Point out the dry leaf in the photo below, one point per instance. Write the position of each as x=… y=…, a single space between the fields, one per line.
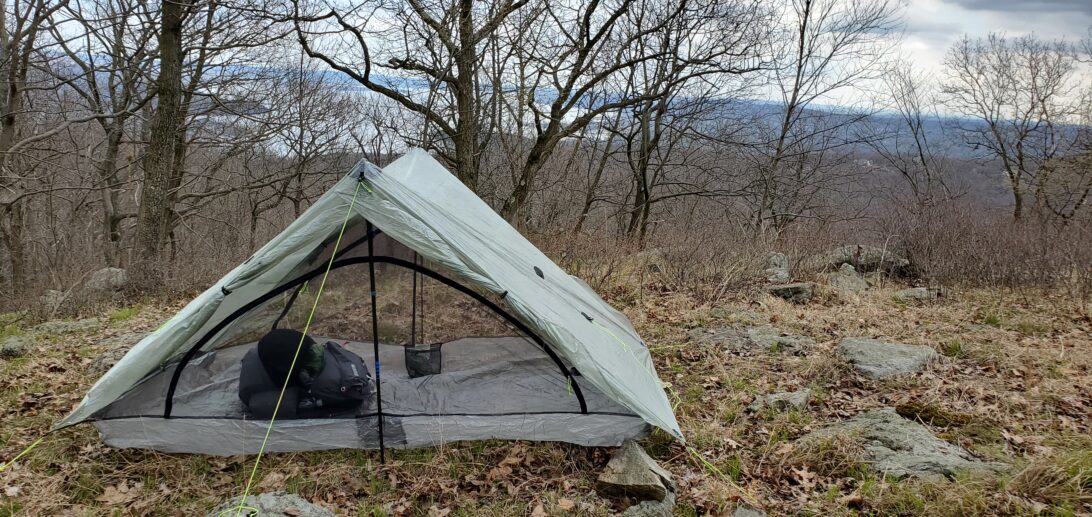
x=566 y=504
x=117 y=495
x=12 y=491
x=435 y=511
x=539 y=511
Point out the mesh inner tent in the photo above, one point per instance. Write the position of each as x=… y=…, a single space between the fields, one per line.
x=451 y=368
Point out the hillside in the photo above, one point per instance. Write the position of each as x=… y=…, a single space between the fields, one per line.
x=1010 y=386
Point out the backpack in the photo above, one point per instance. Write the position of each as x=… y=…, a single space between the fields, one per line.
x=344 y=380
x=343 y=384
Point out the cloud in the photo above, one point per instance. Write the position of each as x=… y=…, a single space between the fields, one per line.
x=925 y=26
x=1026 y=6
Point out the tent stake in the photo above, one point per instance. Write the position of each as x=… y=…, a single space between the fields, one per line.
x=375 y=342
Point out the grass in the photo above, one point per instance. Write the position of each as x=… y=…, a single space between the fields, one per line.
x=1009 y=388
x=124 y=314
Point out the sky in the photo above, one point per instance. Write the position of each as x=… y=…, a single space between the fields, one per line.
x=933 y=25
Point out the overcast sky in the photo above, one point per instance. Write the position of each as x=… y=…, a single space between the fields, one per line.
x=933 y=25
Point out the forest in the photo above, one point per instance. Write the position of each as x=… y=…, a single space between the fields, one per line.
x=173 y=139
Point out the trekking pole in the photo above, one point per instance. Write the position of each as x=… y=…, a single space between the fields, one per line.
x=375 y=342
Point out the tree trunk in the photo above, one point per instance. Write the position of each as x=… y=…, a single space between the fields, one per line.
x=12 y=236
x=108 y=174
x=157 y=195
x=468 y=127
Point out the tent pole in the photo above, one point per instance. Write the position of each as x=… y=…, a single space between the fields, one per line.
x=375 y=342
x=413 y=308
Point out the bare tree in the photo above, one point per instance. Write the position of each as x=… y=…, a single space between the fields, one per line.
x=430 y=55
x=827 y=47
x=1018 y=91
x=604 y=45
x=22 y=58
x=206 y=58
x=108 y=46
x=908 y=141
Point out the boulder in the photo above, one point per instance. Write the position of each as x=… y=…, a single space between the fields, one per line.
x=782 y=401
x=52 y=298
x=116 y=348
x=901 y=448
x=879 y=360
x=107 y=279
x=918 y=294
x=652 y=260
x=273 y=504
x=742 y=316
x=106 y=360
x=865 y=258
x=632 y=473
x=653 y=508
x=15 y=347
x=799 y=292
x=770 y=339
x=747 y=511
x=752 y=340
x=67 y=327
x=847 y=280
x=777 y=268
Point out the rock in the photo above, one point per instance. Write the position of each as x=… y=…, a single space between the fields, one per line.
x=107 y=279
x=743 y=316
x=752 y=340
x=848 y=280
x=747 y=511
x=799 y=292
x=52 y=298
x=900 y=448
x=918 y=294
x=106 y=360
x=273 y=504
x=772 y=340
x=67 y=327
x=879 y=360
x=125 y=340
x=652 y=260
x=632 y=473
x=777 y=268
x=116 y=348
x=15 y=347
x=653 y=508
x=865 y=258
x=782 y=401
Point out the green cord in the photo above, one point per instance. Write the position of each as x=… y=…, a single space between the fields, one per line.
x=4 y=466
x=292 y=366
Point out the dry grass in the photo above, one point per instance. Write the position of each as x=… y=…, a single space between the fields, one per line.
x=1013 y=386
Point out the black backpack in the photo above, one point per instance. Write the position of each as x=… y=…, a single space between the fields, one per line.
x=343 y=385
x=344 y=379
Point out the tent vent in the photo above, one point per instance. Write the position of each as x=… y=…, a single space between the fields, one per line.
x=585 y=315
x=539 y=272
x=225 y=290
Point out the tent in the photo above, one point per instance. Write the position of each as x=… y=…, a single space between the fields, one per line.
x=521 y=350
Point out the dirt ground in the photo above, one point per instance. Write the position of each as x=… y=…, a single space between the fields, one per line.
x=1014 y=385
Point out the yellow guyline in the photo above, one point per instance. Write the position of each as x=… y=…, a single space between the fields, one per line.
x=318 y=295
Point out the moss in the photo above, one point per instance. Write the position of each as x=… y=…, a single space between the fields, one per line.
x=124 y=313
x=932 y=414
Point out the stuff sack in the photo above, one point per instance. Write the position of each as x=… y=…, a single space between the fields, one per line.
x=259 y=393
x=344 y=380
